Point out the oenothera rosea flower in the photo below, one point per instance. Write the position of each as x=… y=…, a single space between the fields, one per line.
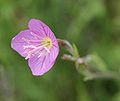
x=38 y=45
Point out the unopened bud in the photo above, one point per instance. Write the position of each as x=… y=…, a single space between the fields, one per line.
x=65 y=44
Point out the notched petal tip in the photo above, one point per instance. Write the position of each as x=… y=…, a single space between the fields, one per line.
x=13 y=38
x=37 y=74
x=12 y=43
x=33 y=21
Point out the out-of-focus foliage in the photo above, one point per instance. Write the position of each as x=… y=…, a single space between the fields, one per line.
x=93 y=25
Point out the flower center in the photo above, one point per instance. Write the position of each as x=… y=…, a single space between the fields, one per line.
x=47 y=42
x=41 y=49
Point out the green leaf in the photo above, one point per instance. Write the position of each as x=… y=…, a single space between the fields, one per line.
x=75 y=51
x=97 y=63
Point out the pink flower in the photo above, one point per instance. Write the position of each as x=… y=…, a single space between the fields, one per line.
x=37 y=44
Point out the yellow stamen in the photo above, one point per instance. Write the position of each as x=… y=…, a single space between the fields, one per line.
x=47 y=42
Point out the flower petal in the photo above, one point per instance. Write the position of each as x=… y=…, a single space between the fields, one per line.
x=22 y=39
x=37 y=26
x=50 y=60
x=43 y=64
x=50 y=33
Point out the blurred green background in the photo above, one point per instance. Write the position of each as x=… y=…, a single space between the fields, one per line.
x=93 y=25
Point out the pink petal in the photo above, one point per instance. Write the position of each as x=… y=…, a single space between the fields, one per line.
x=18 y=42
x=37 y=26
x=41 y=65
x=50 y=33
x=41 y=28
